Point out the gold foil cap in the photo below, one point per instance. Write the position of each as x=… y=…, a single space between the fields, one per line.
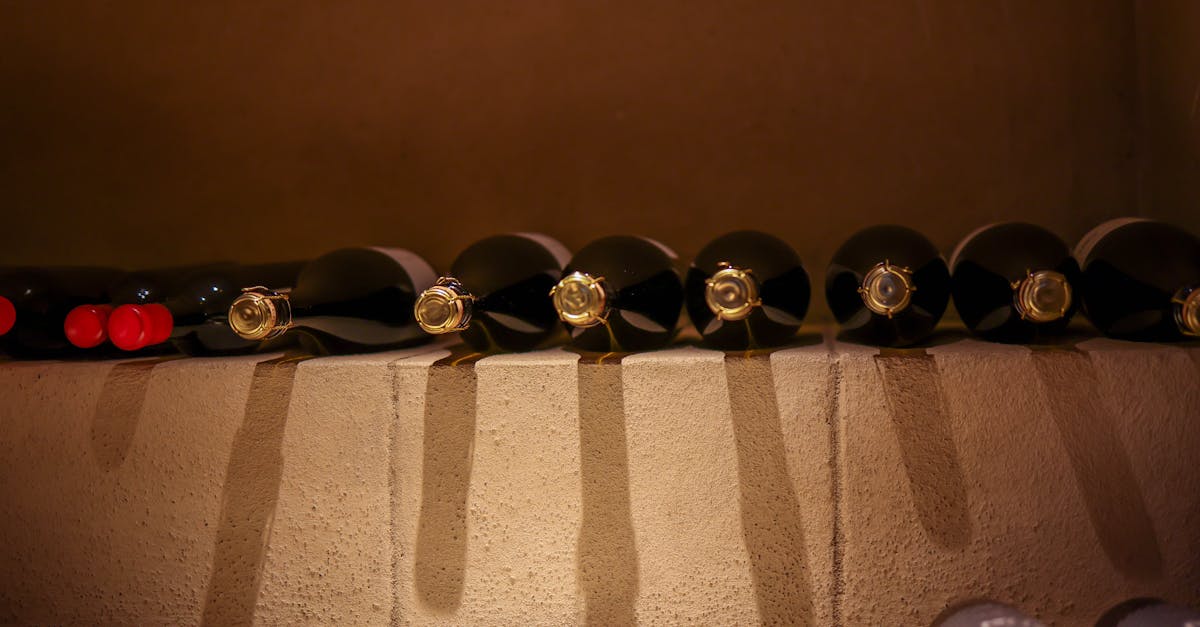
x=444 y=308
x=1042 y=296
x=731 y=293
x=1187 y=310
x=887 y=289
x=580 y=300
x=260 y=314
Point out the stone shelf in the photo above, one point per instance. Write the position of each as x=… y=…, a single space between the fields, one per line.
x=826 y=482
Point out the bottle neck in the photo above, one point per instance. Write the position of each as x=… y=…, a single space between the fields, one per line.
x=732 y=293
x=581 y=300
x=1042 y=296
x=444 y=308
x=260 y=313
x=1186 y=305
x=887 y=289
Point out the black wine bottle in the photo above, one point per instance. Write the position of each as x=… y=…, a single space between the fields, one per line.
x=887 y=285
x=985 y=614
x=497 y=295
x=745 y=290
x=34 y=303
x=194 y=318
x=620 y=293
x=1141 y=280
x=347 y=301
x=86 y=326
x=1014 y=282
x=1146 y=612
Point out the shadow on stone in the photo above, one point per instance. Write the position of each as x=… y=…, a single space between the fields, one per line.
x=250 y=495
x=1103 y=471
x=608 y=571
x=119 y=409
x=912 y=388
x=771 y=516
x=447 y=456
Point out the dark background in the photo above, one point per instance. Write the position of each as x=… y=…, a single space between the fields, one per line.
x=153 y=133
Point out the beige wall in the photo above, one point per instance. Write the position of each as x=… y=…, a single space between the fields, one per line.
x=163 y=132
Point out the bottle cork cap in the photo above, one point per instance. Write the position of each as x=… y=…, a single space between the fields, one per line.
x=86 y=326
x=8 y=315
x=134 y=327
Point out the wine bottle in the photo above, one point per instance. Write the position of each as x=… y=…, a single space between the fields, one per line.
x=1014 y=282
x=350 y=300
x=747 y=289
x=34 y=302
x=86 y=326
x=887 y=285
x=620 y=293
x=497 y=295
x=985 y=614
x=194 y=318
x=1141 y=280
x=1149 y=613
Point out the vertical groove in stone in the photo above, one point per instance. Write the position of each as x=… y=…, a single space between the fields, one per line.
x=835 y=489
x=394 y=496
x=913 y=392
x=771 y=516
x=1101 y=465
x=608 y=570
x=250 y=495
x=447 y=457
x=119 y=409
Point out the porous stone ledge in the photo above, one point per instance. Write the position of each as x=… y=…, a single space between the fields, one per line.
x=825 y=483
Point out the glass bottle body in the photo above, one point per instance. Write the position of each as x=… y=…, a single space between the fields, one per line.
x=201 y=307
x=1134 y=272
x=985 y=614
x=642 y=294
x=40 y=299
x=747 y=289
x=359 y=300
x=509 y=278
x=1014 y=282
x=887 y=285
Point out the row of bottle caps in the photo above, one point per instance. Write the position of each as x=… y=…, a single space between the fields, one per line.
x=886 y=285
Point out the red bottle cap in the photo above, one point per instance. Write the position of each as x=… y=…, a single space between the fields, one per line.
x=86 y=326
x=161 y=323
x=8 y=315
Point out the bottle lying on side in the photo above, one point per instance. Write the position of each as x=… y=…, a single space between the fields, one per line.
x=194 y=318
x=887 y=285
x=985 y=614
x=1141 y=280
x=497 y=295
x=348 y=301
x=1014 y=282
x=746 y=290
x=1149 y=613
x=620 y=293
x=35 y=302
x=86 y=326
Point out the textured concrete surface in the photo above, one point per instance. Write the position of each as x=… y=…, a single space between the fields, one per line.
x=827 y=484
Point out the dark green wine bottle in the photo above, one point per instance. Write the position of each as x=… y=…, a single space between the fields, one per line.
x=887 y=285
x=34 y=303
x=1141 y=280
x=745 y=290
x=1014 y=282
x=347 y=301
x=497 y=295
x=620 y=293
